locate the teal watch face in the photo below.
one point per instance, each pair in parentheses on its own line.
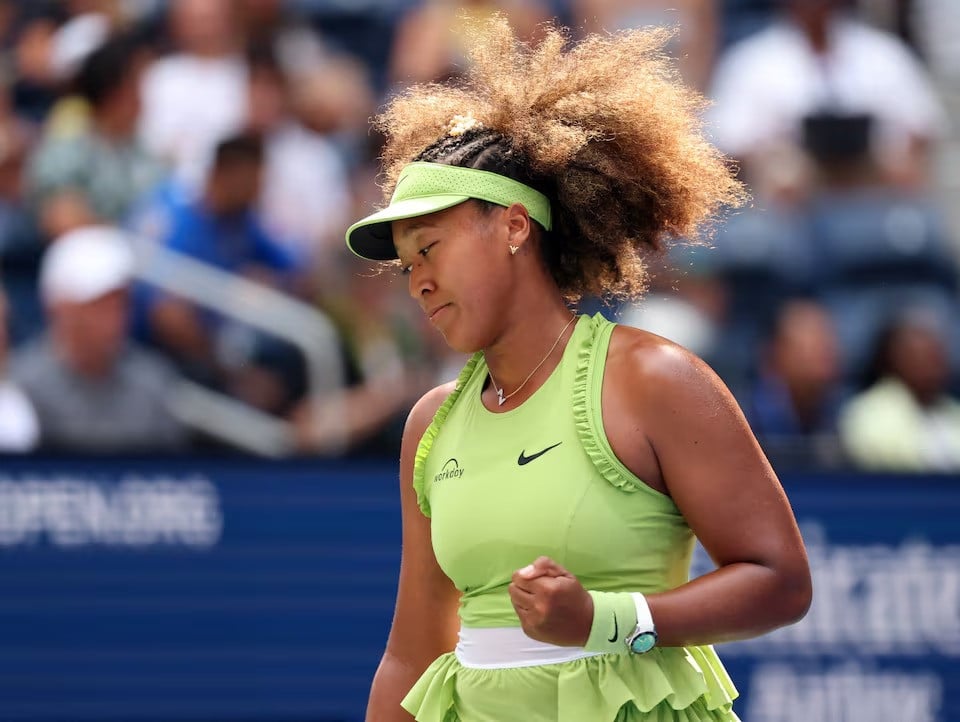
(643,642)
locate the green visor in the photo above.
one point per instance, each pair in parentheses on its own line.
(424,188)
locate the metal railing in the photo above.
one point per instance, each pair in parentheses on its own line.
(266,310)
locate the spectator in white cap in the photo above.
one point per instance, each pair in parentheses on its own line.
(94,391)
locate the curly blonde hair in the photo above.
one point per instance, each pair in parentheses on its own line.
(603,126)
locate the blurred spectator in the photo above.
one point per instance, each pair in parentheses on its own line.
(336,100)
(819,59)
(429,42)
(221,228)
(19,428)
(833,122)
(694,22)
(32,30)
(936,25)
(305,200)
(897,16)
(277,27)
(78,36)
(97,173)
(878,251)
(221,225)
(21,243)
(197,95)
(47,41)
(794,403)
(94,392)
(762,257)
(905,420)
(741,18)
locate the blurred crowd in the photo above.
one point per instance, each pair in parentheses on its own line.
(228,142)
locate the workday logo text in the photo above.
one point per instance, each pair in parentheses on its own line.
(451,470)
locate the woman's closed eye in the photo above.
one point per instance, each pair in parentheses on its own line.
(422,252)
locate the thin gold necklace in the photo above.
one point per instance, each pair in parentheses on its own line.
(500,397)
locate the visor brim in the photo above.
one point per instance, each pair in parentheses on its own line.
(372,237)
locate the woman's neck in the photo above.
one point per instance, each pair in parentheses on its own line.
(529,350)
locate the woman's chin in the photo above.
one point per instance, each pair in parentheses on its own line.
(458,343)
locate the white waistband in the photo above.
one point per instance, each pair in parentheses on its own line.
(501,647)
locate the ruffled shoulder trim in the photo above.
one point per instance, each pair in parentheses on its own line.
(426,441)
(587,388)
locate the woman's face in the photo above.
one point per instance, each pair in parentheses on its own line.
(919,357)
(456,261)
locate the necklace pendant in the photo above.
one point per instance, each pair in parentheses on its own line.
(500,398)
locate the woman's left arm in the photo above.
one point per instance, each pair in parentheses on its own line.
(672,404)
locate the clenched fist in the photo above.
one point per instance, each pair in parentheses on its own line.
(552,604)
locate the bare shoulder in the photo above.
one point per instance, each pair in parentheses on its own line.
(657,369)
(664,407)
(672,401)
(672,390)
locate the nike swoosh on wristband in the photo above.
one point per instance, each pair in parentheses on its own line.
(522,459)
(616,630)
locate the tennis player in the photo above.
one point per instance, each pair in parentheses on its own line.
(551,496)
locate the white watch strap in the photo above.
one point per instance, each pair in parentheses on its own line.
(644,618)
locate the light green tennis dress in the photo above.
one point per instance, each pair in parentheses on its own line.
(504,488)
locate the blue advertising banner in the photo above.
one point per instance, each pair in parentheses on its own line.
(194,591)
(241,591)
(881,642)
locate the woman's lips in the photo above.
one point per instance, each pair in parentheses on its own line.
(435,313)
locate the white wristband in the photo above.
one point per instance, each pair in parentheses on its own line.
(644,618)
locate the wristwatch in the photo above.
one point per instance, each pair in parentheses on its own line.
(644,636)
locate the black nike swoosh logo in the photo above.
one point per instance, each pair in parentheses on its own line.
(616,630)
(522,459)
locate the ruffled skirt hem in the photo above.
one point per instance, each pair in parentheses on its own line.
(668,685)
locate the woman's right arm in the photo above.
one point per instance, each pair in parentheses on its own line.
(425,618)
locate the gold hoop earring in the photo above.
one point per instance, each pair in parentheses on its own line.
(513,250)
